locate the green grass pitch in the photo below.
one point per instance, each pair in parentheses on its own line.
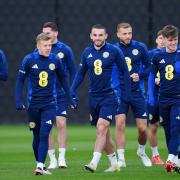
(17,161)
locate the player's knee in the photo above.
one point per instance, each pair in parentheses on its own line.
(153,128)
(61,125)
(153,131)
(101,129)
(120,125)
(142,129)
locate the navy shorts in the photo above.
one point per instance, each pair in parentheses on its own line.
(137,103)
(41,118)
(153,112)
(62,106)
(102,106)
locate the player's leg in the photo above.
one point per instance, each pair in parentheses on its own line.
(101,132)
(153,119)
(105,109)
(140,112)
(156,159)
(34,125)
(61,121)
(61,115)
(62,139)
(164,110)
(177,167)
(94,116)
(48,116)
(142,138)
(174,133)
(174,138)
(109,149)
(51,151)
(120,138)
(153,138)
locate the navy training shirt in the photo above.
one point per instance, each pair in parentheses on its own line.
(136,55)
(66,55)
(100,64)
(164,62)
(41,75)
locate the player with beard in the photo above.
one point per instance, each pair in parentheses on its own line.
(99,59)
(136,55)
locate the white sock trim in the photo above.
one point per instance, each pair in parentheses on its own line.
(120,153)
(154,151)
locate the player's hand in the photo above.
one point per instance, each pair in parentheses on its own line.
(135,77)
(157,81)
(20,107)
(74,102)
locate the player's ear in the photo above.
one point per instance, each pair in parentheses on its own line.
(117,34)
(90,36)
(156,40)
(56,33)
(37,45)
(106,35)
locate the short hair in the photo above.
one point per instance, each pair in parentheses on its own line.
(51,25)
(123,25)
(170,31)
(98,26)
(43,37)
(159,33)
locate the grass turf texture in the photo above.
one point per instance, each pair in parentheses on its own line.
(17,160)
